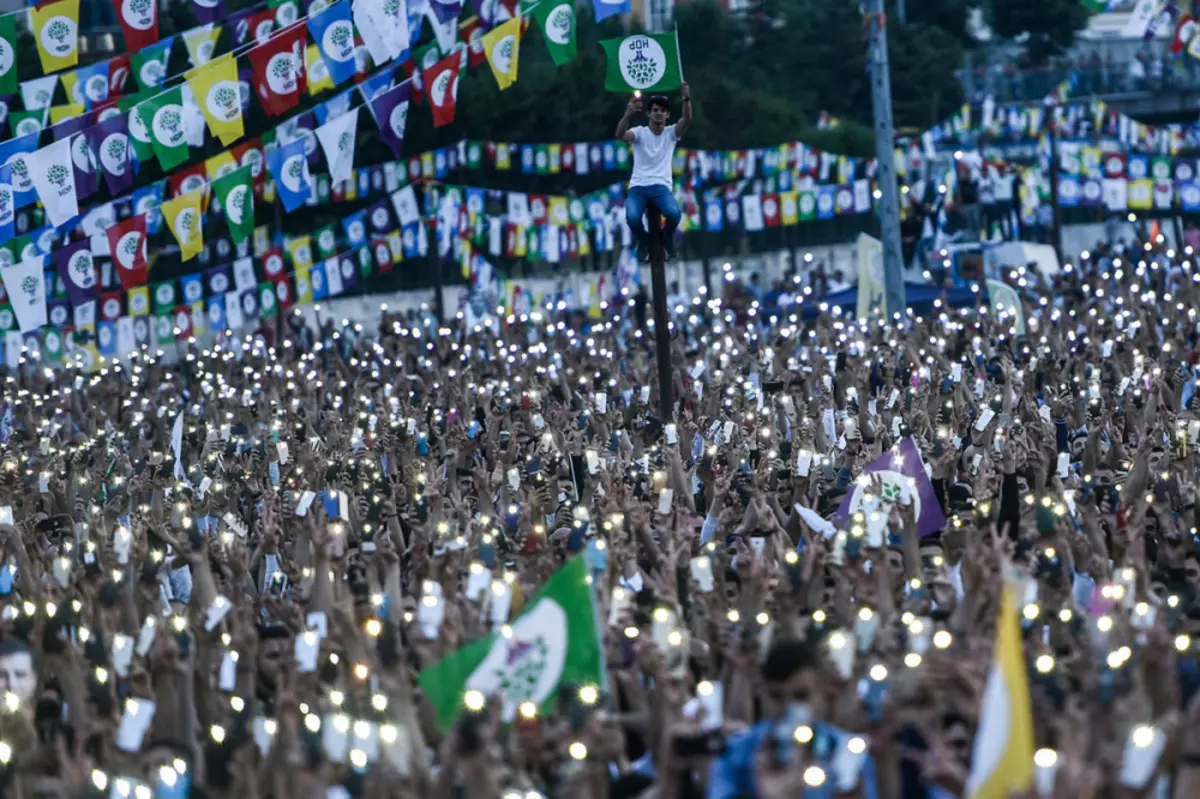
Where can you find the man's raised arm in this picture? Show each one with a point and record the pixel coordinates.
(634, 106)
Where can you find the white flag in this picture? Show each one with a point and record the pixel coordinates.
(369, 20)
(337, 142)
(405, 203)
(394, 26)
(177, 445)
(126, 339)
(38, 93)
(333, 276)
(54, 178)
(25, 283)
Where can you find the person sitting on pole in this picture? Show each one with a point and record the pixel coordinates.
(650, 181)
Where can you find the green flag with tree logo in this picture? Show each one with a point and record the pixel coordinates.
(554, 641)
(235, 193)
(647, 62)
(162, 116)
(556, 18)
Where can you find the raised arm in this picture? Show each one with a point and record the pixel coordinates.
(685, 116)
(633, 107)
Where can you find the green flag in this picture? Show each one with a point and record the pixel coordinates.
(164, 325)
(235, 193)
(162, 116)
(326, 242)
(164, 297)
(25, 122)
(52, 344)
(647, 62)
(149, 65)
(266, 299)
(557, 21)
(554, 641)
(8, 54)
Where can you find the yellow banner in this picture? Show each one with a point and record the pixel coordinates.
(220, 165)
(56, 34)
(502, 45)
(789, 208)
(299, 251)
(303, 284)
(315, 71)
(183, 217)
(139, 301)
(215, 86)
(61, 113)
(200, 42)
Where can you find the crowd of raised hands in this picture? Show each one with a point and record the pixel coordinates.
(425, 560)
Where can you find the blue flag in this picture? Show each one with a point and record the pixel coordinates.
(8, 209)
(316, 279)
(289, 166)
(607, 8)
(12, 154)
(333, 31)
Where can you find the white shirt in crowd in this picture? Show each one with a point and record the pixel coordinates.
(652, 156)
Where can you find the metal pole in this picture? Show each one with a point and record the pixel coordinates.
(885, 142)
(662, 331)
(1056, 222)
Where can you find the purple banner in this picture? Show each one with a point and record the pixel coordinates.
(209, 10)
(391, 114)
(446, 10)
(83, 158)
(78, 270)
(899, 465)
(110, 143)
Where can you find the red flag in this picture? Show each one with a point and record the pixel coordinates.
(441, 87)
(118, 74)
(471, 33)
(110, 305)
(1185, 31)
(139, 22)
(770, 208)
(182, 321)
(279, 70)
(188, 180)
(383, 253)
(127, 242)
(538, 209)
(284, 296)
(251, 152)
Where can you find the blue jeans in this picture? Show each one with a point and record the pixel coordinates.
(635, 207)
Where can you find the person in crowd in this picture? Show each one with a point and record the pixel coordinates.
(280, 570)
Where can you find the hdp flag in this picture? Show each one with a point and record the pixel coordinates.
(647, 62)
(56, 33)
(501, 46)
(333, 32)
(288, 164)
(554, 641)
(1002, 759)
(904, 479)
(184, 218)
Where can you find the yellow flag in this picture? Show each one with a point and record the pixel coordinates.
(56, 33)
(1002, 761)
(789, 207)
(200, 42)
(220, 165)
(215, 86)
(183, 216)
(315, 71)
(139, 301)
(501, 45)
(299, 251)
(303, 285)
(60, 113)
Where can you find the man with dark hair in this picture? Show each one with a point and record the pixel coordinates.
(17, 672)
(650, 182)
(788, 722)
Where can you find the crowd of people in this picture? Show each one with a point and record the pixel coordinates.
(231, 575)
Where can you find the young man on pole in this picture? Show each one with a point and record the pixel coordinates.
(650, 182)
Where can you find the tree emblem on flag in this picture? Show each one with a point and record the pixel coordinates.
(343, 141)
(30, 286)
(339, 41)
(559, 24)
(58, 31)
(225, 97)
(139, 13)
(81, 265)
(391, 8)
(168, 125)
(642, 61)
(295, 170)
(127, 251)
(57, 174)
(518, 676)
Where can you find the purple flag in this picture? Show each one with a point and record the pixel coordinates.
(209, 10)
(110, 143)
(78, 270)
(83, 158)
(897, 467)
(446, 10)
(68, 127)
(391, 114)
(239, 23)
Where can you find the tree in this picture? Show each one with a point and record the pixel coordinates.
(1048, 27)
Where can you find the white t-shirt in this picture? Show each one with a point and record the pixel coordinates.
(652, 156)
